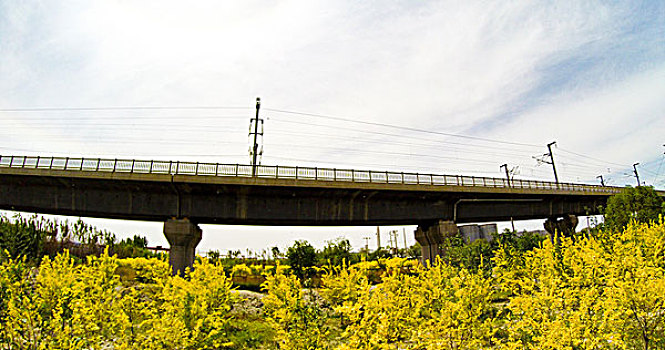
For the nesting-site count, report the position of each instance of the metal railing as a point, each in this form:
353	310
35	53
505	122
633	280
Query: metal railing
283	172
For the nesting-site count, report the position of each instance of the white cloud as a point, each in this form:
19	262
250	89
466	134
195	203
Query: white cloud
587	74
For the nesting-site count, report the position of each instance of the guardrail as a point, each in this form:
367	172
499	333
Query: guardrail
283	172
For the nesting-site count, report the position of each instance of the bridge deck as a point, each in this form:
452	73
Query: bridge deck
278	195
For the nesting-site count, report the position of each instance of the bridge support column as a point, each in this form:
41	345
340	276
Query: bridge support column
183	237
432	236
563	226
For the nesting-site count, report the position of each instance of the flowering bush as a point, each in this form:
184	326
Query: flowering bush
600	291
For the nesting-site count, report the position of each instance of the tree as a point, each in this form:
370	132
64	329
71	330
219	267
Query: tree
23	237
336	253
276	254
642	204
301	257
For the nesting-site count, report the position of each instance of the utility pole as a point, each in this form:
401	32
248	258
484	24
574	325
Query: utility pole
254	152
637	176
549	148
378	238
505	166
602	181
406	247
393	239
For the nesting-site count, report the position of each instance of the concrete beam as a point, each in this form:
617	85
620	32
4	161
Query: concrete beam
183	236
432	236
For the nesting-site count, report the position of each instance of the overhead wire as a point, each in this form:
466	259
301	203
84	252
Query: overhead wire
121	108
398	127
128	121
380	133
381	142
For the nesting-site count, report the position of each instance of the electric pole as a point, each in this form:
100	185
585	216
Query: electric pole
549	148
637	176
602	181
254	151
406	247
505	166
378	238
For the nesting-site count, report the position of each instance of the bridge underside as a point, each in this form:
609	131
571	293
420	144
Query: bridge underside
297	205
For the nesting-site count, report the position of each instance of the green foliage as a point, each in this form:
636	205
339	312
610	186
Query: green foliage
642	204
336	253
479	253
22	237
414	251
302	257
33	237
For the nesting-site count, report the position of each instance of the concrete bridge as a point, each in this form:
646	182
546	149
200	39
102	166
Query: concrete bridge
185	194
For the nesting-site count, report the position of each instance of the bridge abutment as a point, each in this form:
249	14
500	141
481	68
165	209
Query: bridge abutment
183	237
430	238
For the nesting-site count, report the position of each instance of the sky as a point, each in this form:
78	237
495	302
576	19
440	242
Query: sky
451	87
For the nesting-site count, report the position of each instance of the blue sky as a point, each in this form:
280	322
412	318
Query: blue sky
589	75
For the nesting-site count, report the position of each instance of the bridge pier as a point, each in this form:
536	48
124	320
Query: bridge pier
563	226
183	237
430	237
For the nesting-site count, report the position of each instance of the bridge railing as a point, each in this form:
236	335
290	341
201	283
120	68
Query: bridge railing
283	172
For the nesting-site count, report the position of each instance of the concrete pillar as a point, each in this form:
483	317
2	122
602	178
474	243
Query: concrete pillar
183	236
563	226
431	237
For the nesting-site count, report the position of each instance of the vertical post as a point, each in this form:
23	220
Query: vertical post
115	163
66	162
406	247
637	176
256	134
99	160
549	148
36	164
132	171
505	166
378	238
150	170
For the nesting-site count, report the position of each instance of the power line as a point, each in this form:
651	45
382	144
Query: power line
120	108
355	139
596	159
400	127
379	133
92	118
386	153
